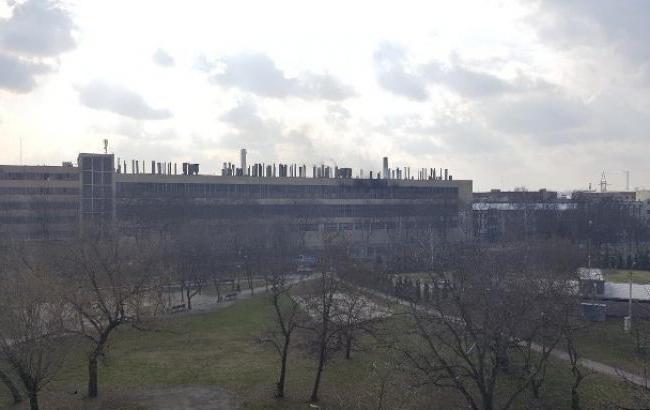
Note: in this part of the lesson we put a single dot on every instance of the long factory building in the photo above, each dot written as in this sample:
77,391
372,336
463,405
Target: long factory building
53,202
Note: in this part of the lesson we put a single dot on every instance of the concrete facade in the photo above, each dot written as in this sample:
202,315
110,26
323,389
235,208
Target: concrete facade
371,213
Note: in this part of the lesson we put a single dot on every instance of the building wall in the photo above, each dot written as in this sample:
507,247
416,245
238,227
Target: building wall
38,202
372,213
45,202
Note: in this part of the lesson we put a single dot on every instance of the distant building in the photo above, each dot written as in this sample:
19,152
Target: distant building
371,213
643,196
39,202
513,215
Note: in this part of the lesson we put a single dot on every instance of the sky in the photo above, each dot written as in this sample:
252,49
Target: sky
508,93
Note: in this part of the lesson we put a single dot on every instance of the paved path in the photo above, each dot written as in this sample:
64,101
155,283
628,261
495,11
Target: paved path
586,363
202,303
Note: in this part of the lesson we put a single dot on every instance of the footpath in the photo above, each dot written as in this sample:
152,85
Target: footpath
592,365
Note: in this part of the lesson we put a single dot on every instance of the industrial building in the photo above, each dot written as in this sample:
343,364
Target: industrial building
52,202
515,215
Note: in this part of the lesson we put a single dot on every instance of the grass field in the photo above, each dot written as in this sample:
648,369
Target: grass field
641,277
220,349
606,342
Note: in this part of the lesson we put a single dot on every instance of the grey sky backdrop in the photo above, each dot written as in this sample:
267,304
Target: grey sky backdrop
507,93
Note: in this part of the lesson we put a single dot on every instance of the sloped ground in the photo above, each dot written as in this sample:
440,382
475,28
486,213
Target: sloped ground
184,398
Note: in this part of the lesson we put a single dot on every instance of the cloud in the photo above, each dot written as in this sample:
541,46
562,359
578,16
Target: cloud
265,137
551,117
41,28
119,100
250,129
258,74
398,76
18,75
466,82
323,87
393,76
620,25
163,59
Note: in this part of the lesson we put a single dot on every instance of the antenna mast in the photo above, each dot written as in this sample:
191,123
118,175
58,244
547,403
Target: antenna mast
603,183
105,146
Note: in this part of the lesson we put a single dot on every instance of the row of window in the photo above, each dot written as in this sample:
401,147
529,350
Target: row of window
38,205
94,205
96,163
38,191
96,178
38,176
161,211
97,191
263,191
376,226
39,219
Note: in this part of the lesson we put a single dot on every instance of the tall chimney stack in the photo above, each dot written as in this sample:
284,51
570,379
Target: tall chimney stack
242,160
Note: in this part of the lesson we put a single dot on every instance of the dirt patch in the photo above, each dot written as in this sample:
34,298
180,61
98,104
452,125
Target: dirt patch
184,397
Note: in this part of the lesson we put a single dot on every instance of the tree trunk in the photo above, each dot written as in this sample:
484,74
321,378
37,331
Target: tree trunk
283,368
12,387
575,398
92,376
348,347
250,284
189,298
314,392
321,365
33,400
217,287
488,401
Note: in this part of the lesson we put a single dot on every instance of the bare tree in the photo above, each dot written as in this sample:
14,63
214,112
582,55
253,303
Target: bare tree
354,316
112,278
287,315
280,262
6,278
31,337
11,386
319,300
492,315
319,305
188,255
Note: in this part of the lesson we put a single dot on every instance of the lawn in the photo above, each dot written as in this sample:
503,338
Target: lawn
641,277
220,349
606,342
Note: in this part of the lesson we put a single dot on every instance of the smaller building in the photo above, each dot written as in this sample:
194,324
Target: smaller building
592,282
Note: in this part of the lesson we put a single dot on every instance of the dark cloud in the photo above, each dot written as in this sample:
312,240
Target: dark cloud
323,87
162,58
18,75
393,76
467,82
398,76
119,100
621,26
250,129
263,137
258,74
551,118
41,28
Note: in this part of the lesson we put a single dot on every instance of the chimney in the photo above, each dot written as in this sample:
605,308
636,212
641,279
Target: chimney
242,160
385,168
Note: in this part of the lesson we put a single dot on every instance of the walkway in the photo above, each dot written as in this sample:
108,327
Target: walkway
586,363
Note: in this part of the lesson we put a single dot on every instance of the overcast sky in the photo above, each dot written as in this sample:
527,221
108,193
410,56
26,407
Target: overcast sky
507,93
